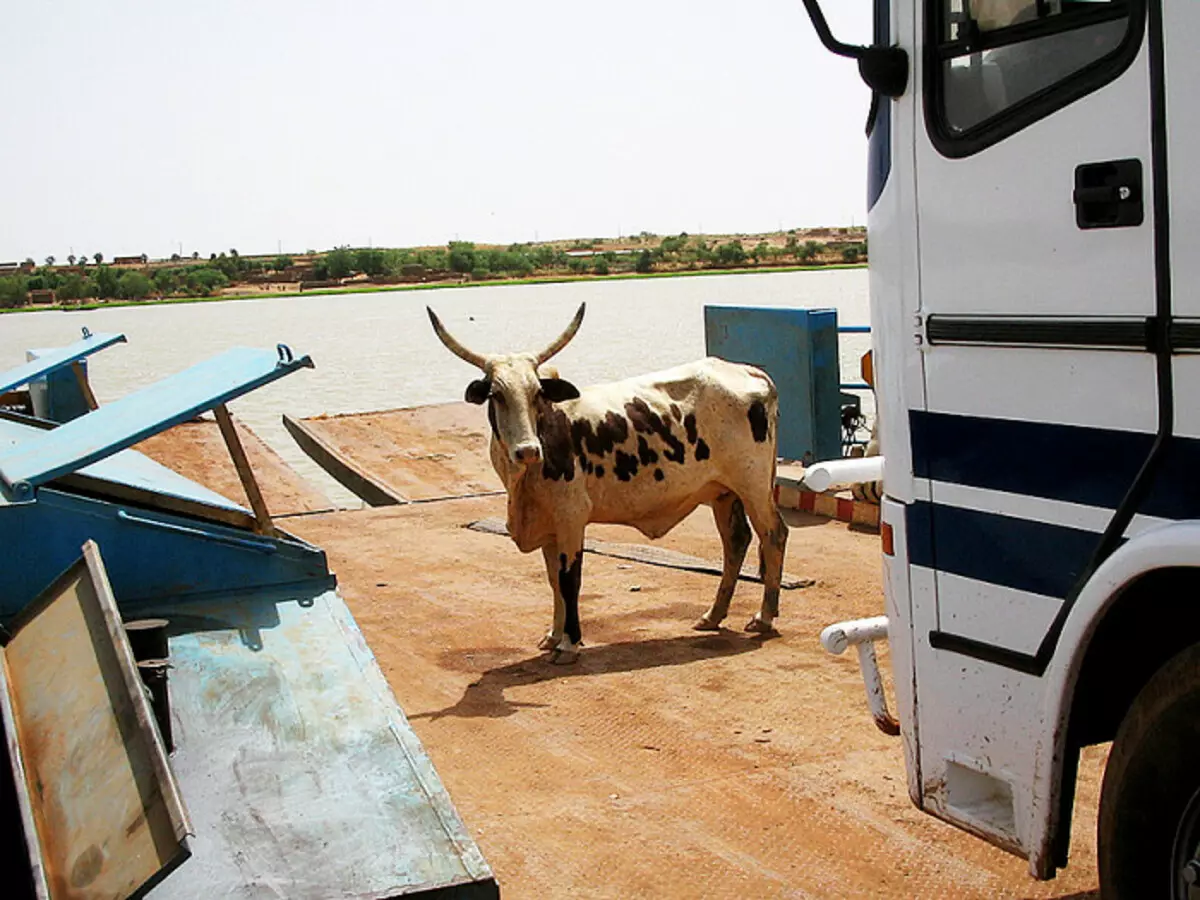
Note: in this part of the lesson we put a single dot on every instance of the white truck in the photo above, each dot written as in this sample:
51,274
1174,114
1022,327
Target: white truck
1035,301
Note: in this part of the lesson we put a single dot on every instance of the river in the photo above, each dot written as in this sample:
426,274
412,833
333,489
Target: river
377,351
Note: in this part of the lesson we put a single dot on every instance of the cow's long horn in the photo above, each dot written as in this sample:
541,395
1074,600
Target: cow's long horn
564,338
452,344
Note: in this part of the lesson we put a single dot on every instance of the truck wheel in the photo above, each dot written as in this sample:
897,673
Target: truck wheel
1149,826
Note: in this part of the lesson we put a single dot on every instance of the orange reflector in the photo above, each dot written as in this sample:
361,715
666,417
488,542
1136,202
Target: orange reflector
888,539
867,367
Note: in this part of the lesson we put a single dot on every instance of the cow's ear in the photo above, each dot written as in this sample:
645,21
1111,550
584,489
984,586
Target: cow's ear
478,391
556,390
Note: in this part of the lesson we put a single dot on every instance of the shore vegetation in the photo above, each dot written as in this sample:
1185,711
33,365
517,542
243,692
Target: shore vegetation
90,280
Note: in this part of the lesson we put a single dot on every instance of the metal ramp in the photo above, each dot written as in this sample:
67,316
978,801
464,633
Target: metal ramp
300,774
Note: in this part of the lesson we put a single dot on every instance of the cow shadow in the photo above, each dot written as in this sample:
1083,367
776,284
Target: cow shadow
485,698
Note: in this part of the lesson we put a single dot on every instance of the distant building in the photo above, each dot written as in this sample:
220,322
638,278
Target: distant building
43,296
131,260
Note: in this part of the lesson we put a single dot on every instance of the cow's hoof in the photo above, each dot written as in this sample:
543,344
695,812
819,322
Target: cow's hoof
758,626
550,641
704,623
564,657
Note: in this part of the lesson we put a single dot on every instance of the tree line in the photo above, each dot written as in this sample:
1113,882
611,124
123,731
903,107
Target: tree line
458,259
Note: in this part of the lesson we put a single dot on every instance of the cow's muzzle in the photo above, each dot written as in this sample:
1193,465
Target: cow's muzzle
527,454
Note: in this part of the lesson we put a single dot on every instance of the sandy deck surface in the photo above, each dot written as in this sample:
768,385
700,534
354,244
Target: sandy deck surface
666,763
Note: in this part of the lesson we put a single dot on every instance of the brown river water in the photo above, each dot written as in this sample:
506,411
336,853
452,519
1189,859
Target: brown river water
377,351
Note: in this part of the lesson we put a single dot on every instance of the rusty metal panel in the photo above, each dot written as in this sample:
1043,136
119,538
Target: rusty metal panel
104,816
302,775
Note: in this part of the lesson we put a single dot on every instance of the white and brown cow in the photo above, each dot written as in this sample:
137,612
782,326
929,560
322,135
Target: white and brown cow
643,452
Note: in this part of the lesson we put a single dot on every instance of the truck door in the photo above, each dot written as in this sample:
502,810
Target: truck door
1040,304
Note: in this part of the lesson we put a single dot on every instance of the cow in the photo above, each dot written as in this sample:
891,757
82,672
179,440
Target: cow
643,452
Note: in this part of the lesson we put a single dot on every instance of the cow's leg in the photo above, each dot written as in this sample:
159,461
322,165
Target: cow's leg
570,576
735,539
772,534
555,634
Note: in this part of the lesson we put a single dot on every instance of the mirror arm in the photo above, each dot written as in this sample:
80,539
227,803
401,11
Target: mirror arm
832,44
884,69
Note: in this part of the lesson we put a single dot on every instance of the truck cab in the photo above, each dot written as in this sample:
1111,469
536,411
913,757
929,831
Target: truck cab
1035,303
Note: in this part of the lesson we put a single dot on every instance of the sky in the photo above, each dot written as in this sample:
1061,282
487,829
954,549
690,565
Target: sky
267,126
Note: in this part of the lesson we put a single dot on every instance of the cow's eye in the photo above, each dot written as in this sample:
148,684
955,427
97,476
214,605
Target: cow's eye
496,397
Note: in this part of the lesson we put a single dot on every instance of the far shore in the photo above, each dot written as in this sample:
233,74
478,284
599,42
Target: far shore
368,288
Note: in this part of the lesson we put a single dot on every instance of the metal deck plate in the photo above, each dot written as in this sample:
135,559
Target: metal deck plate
122,424
301,773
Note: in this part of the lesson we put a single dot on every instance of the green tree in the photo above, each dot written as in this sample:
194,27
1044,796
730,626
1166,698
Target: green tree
14,291
98,257
370,262
204,281
644,263
76,287
134,286
281,262
461,256
850,254
601,267
166,280
433,259
49,260
339,262
71,259
761,251
108,282
731,253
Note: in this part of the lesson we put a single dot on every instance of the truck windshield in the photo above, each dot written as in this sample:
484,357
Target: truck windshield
997,55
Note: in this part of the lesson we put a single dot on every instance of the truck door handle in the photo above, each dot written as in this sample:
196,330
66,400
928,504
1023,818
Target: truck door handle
1109,194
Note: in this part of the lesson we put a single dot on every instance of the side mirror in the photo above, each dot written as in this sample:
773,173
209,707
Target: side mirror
884,69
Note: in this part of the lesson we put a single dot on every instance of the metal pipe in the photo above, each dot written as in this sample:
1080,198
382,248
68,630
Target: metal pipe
862,634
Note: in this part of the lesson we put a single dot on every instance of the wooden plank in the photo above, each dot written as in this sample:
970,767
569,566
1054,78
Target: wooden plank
347,472
655,556
433,452
108,816
245,474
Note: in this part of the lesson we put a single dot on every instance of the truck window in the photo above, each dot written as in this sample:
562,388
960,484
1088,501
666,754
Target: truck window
999,65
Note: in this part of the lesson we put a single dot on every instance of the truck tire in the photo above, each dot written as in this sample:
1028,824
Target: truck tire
1148,833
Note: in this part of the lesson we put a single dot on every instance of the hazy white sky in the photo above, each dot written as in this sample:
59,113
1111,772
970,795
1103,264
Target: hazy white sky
150,127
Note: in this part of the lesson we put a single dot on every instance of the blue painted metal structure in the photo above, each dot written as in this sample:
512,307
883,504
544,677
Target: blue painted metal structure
49,361
301,774
798,348
153,549
131,419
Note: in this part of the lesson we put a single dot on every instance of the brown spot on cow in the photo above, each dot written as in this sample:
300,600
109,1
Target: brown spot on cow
599,438
554,432
689,425
647,421
757,414
625,465
646,455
